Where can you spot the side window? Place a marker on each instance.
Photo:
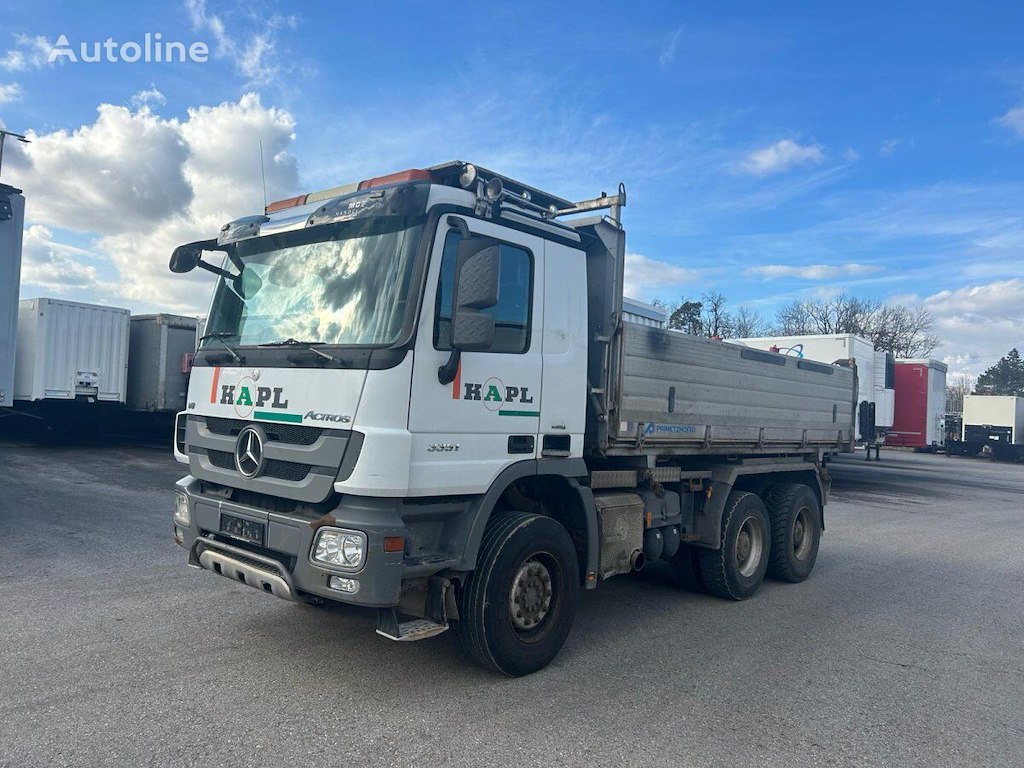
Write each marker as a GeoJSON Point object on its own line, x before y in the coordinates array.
{"type": "Point", "coordinates": [512, 312]}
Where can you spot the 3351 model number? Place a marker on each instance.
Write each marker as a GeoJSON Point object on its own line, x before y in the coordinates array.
{"type": "Point", "coordinates": [442, 447]}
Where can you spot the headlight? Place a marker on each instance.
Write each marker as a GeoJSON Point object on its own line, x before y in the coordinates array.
{"type": "Point", "coordinates": [181, 515]}
{"type": "Point", "coordinates": [342, 549]}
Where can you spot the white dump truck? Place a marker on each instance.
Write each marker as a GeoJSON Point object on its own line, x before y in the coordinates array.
{"type": "Point", "coordinates": [417, 394]}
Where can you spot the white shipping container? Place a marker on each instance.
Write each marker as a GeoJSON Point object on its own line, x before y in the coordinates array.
{"type": "Point", "coordinates": [995, 411]}
{"type": "Point", "coordinates": [828, 348]}
{"type": "Point", "coordinates": [12, 224]}
{"type": "Point", "coordinates": [67, 349]}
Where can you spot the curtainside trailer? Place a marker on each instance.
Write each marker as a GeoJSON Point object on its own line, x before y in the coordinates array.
{"type": "Point", "coordinates": [418, 394]}
{"type": "Point", "coordinates": [160, 350]}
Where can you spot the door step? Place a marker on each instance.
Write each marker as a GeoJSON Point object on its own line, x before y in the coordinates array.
{"type": "Point", "coordinates": [414, 629]}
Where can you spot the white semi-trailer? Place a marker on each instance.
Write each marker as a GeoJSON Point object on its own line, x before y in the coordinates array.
{"type": "Point", "coordinates": [417, 394]}
{"type": "Point", "coordinates": [12, 224]}
{"type": "Point", "coordinates": [71, 352]}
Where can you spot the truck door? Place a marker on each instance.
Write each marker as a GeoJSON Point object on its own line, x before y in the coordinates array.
{"type": "Point", "coordinates": [466, 432]}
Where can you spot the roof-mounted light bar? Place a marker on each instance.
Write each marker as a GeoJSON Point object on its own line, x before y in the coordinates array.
{"type": "Point", "coordinates": [494, 192]}
{"type": "Point", "coordinates": [412, 174]}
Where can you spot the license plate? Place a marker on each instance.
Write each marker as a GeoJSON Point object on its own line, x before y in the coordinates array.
{"type": "Point", "coordinates": [246, 530]}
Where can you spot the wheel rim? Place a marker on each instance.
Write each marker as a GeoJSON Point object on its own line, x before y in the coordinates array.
{"type": "Point", "coordinates": [749, 547]}
{"type": "Point", "coordinates": [803, 534]}
{"type": "Point", "coordinates": [531, 596]}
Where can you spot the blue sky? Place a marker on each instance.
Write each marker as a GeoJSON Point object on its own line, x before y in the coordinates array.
{"type": "Point", "coordinates": [770, 152]}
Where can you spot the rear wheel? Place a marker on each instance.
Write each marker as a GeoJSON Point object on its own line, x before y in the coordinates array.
{"type": "Point", "coordinates": [517, 607]}
{"type": "Point", "coordinates": [795, 516]}
{"type": "Point", "coordinates": [736, 569]}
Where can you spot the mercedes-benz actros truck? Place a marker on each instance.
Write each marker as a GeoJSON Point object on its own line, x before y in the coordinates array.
{"type": "Point", "coordinates": [417, 394]}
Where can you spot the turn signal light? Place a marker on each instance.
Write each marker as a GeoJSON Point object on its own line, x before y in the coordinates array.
{"type": "Point", "coordinates": [394, 543]}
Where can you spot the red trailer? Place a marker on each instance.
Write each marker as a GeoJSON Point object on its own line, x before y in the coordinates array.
{"type": "Point", "coordinates": [920, 405]}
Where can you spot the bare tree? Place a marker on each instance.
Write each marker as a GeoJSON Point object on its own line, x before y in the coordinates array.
{"type": "Point", "coordinates": [747, 322]}
{"type": "Point", "coordinates": [714, 317]}
{"type": "Point", "coordinates": [960, 385]}
{"type": "Point", "coordinates": [902, 330]}
{"type": "Point", "coordinates": [794, 319]}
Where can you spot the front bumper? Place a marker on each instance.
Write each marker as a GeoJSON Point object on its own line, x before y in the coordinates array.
{"type": "Point", "coordinates": [282, 567]}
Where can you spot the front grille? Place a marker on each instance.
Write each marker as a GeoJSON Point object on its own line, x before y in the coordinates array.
{"type": "Point", "coordinates": [285, 470]}
{"type": "Point", "coordinates": [222, 459]}
{"type": "Point", "coordinates": [279, 470]}
{"type": "Point", "coordinates": [293, 434]}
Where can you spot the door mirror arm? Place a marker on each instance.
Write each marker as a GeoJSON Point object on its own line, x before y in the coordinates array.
{"type": "Point", "coordinates": [447, 372]}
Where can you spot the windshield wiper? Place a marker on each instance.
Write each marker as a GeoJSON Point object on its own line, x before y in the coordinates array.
{"type": "Point", "coordinates": [307, 345]}
{"type": "Point", "coordinates": [221, 338]}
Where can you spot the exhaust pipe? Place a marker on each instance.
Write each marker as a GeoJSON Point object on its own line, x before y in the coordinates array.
{"type": "Point", "coordinates": [637, 560]}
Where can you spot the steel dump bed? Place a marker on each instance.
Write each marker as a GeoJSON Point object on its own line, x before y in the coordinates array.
{"type": "Point", "coordinates": [690, 394]}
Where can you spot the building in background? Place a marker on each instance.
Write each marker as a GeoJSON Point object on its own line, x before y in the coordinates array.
{"type": "Point", "coordinates": [634, 311]}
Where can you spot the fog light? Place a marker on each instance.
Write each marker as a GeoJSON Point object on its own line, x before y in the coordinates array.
{"type": "Point", "coordinates": [343, 584]}
{"type": "Point", "coordinates": [181, 513]}
{"type": "Point", "coordinates": [343, 549]}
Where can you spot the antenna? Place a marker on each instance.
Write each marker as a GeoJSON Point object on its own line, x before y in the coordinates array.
{"type": "Point", "coordinates": [3, 135]}
{"type": "Point", "coordinates": [263, 175]}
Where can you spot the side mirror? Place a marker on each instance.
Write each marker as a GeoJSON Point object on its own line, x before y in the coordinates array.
{"type": "Point", "coordinates": [476, 288]}
{"type": "Point", "coordinates": [185, 258]}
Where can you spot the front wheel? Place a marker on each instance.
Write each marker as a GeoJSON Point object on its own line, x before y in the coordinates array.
{"type": "Point", "coordinates": [736, 569]}
{"type": "Point", "coordinates": [517, 607]}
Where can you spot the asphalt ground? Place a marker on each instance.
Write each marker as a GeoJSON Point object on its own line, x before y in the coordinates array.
{"type": "Point", "coordinates": [905, 647]}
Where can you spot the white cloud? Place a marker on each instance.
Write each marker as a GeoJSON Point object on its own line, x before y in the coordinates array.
{"type": "Point", "coordinates": [149, 97]}
{"type": "Point", "coordinates": [811, 271]}
{"type": "Point", "coordinates": [646, 277]}
{"type": "Point", "coordinates": [782, 156]}
{"type": "Point", "coordinates": [255, 57]}
{"type": "Point", "coordinates": [121, 173]}
{"type": "Point", "coordinates": [1013, 120]}
{"type": "Point", "coordinates": [889, 146]}
{"type": "Point", "coordinates": [978, 323]}
{"type": "Point", "coordinates": [52, 266]}
{"type": "Point", "coordinates": [28, 53]}
{"type": "Point", "coordinates": [9, 92]}
{"type": "Point", "coordinates": [668, 51]}
{"type": "Point", "coordinates": [142, 184]}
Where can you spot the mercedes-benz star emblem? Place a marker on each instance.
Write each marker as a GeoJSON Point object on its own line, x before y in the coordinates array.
{"type": "Point", "coordinates": [249, 452]}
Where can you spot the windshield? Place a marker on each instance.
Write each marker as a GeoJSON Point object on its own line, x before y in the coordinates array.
{"type": "Point", "coordinates": [345, 284]}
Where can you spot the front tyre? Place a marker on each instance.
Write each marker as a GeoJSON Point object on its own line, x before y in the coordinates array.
{"type": "Point", "coordinates": [736, 569]}
{"type": "Point", "coordinates": [517, 607]}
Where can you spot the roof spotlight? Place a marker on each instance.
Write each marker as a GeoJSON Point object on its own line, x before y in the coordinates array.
{"type": "Point", "coordinates": [468, 176]}
{"type": "Point", "coordinates": [494, 189]}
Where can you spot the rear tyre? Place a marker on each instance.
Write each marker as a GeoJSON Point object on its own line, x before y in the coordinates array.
{"type": "Point", "coordinates": [685, 569]}
{"type": "Point", "coordinates": [736, 569]}
{"type": "Point", "coordinates": [795, 516]}
{"type": "Point", "coordinates": [517, 607]}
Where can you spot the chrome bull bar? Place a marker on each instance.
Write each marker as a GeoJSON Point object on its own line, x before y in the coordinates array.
{"type": "Point", "coordinates": [253, 570]}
